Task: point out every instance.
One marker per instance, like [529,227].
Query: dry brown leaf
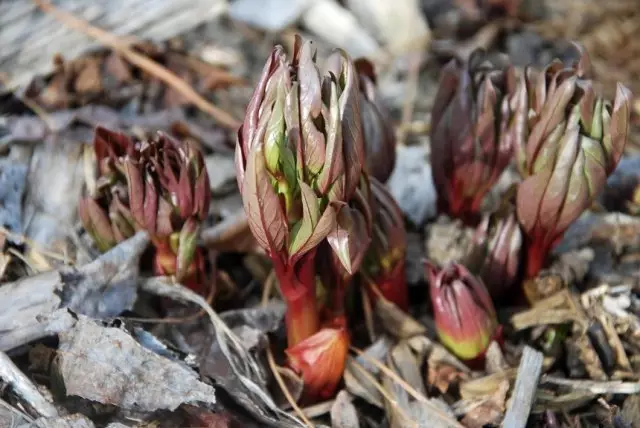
[490,411]
[89,77]
[442,376]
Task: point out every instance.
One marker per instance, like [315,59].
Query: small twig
[411,390]
[150,66]
[595,387]
[23,387]
[525,389]
[284,389]
[384,392]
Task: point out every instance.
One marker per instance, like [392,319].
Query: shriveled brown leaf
[491,410]
[442,376]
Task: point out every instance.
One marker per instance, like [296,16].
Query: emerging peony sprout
[385,261]
[356,223]
[472,133]
[160,186]
[379,136]
[464,314]
[299,158]
[496,253]
[574,140]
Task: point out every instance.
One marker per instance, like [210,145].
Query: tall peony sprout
[473,133]
[385,260]
[573,140]
[299,157]
[356,224]
[161,186]
[379,135]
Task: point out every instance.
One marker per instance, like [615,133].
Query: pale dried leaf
[107,365]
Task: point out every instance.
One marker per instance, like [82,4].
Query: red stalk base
[298,287]
[393,287]
[537,254]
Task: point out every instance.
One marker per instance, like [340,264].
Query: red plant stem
[393,287]
[536,256]
[337,315]
[298,287]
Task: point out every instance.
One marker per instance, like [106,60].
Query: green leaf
[350,238]
[274,138]
[266,218]
[313,227]
[187,243]
[616,128]
[334,161]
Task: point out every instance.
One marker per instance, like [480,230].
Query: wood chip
[524,391]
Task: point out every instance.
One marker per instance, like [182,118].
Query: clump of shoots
[299,158]
[158,185]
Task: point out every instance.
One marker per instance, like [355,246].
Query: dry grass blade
[384,392]
[157,70]
[411,390]
[285,390]
[242,363]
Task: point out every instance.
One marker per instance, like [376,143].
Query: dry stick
[272,363]
[525,389]
[411,390]
[24,388]
[152,67]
